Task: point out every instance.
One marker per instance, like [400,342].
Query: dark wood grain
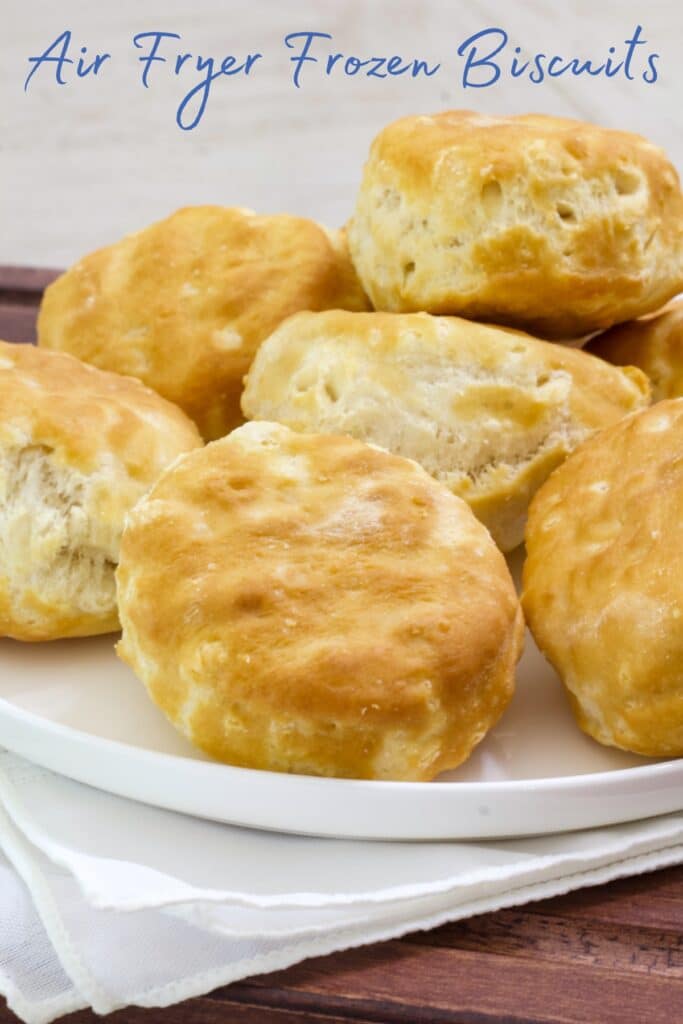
[207,1011]
[20,291]
[17,323]
[612,954]
[26,281]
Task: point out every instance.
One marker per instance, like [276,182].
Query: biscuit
[554,226]
[184,303]
[332,609]
[603,582]
[487,411]
[78,447]
[654,343]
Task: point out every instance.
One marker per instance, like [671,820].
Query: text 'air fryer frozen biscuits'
[78,447]
[332,609]
[488,412]
[654,343]
[555,226]
[603,582]
[183,304]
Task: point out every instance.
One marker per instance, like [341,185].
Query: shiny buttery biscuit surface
[184,303]
[552,225]
[603,581]
[332,610]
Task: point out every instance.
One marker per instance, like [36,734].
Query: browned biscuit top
[184,303]
[84,415]
[332,609]
[603,581]
[557,226]
[654,343]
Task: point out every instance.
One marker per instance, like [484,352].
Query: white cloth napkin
[105,902]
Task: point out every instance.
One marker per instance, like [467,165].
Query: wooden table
[612,954]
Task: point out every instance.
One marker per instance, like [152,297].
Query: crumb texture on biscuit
[57,558]
[603,581]
[184,303]
[488,412]
[78,447]
[332,611]
[552,225]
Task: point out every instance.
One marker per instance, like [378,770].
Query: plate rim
[485,786]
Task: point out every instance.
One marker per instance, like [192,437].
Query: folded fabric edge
[283,957]
[623,867]
[521,872]
[44,1011]
[278,960]
[14,845]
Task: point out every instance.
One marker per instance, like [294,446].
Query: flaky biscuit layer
[552,225]
[488,412]
[78,447]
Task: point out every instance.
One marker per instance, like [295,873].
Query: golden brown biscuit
[333,610]
[78,447]
[654,343]
[184,303]
[555,226]
[487,411]
[603,582]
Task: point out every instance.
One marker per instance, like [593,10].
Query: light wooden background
[82,164]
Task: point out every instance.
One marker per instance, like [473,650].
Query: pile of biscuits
[323,589]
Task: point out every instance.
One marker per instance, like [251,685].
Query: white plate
[72,706]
